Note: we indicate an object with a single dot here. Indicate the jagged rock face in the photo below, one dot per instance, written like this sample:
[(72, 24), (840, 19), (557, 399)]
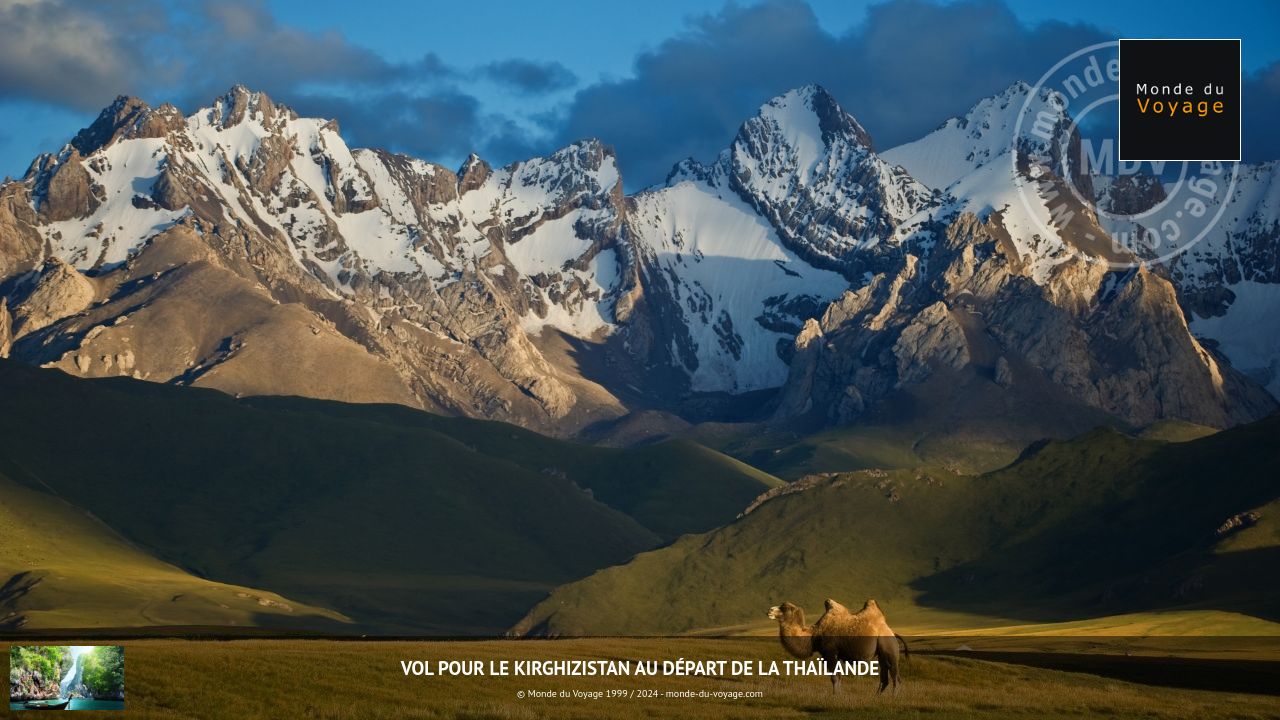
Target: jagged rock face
[(1228, 282), (127, 118), (21, 246), (60, 291), (66, 189), (481, 317), (6, 328), (473, 173), (1130, 194), (1115, 341), (932, 339)]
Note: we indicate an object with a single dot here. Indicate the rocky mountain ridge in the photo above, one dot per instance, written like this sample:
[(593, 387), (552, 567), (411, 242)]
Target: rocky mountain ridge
[(248, 249)]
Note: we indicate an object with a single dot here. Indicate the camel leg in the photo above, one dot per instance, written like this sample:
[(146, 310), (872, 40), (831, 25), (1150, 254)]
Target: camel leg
[(835, 679), (888, 666), (889, 672), (886, 652)]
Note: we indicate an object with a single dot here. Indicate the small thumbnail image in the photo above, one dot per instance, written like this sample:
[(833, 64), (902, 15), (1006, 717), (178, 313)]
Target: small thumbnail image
[(66, 677)]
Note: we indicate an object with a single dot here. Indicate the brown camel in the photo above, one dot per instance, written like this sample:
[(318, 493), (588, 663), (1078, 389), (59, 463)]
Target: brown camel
[(841, 635)]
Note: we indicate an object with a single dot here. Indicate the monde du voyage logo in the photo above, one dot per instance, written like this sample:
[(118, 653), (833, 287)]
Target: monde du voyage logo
[(1179, 100), (1127, 151)]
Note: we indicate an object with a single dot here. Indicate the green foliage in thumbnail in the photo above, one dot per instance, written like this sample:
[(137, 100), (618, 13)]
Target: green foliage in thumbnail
[(49, 662), (103, 671)]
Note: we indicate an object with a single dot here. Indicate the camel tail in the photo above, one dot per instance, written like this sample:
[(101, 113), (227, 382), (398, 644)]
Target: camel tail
[(906, 651)]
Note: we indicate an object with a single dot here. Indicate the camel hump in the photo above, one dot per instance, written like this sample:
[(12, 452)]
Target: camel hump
[(829, 603)]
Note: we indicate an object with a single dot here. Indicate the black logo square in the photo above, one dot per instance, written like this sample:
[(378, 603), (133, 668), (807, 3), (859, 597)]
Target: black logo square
[(1179, 100)]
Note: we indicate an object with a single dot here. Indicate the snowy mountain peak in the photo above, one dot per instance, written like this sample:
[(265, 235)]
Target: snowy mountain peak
[(833, 121), (690, 170), (589, 154), (239, 104), (798, 128), (987, 131), (808, 166), (472, 173), (1018, 92), (108, 121), (586, 167), (127, 117)]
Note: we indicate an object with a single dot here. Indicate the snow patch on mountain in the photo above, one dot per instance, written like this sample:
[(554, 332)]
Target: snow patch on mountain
[(1249, 332), (971, 159), (791, 120), (552, 247), (986, 134), (996, 187), (119, 225), (729, 269)]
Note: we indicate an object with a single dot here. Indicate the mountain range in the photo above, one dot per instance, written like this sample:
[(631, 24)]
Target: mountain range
[(801, 279)]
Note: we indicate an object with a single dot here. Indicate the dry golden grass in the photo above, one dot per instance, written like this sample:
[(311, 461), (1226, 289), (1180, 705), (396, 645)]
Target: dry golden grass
[(357, 679)]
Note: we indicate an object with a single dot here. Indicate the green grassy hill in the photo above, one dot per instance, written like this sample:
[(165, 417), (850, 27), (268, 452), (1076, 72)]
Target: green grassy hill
[(1104, 524), (672, 487), (957, 420), (62, 568), (400, 520)]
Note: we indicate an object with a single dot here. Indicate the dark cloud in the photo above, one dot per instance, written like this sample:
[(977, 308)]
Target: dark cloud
[(507, 140), (62, 53), (910, 66), (905, 69), (240, 41), (438, 126), (81, 55), (431, 66), (529, 77), (1261, 107)]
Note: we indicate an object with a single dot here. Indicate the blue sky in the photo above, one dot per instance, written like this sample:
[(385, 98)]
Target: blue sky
[(659, 80)]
